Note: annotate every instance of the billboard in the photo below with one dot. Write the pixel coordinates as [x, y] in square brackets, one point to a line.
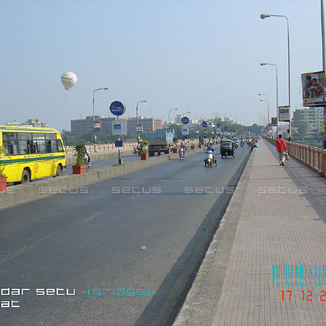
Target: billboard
[314, 88]
[284, 114]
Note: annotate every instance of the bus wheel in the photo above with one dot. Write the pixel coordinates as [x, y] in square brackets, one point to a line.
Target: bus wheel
[59, 171]
[26, 177]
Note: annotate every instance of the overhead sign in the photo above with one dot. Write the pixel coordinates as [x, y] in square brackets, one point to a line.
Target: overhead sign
[314, 88]
[284, 114]
[204, 124]
[118, 127]
[185, 120]
[185, 130]
[139, 128]
[117, 108]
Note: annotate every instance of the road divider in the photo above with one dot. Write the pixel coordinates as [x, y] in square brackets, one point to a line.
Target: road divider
[40, 189]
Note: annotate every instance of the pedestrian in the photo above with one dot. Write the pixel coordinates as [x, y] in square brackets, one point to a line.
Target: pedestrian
[281, 148]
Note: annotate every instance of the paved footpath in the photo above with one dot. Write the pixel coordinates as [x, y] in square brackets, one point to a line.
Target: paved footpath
[277, 215]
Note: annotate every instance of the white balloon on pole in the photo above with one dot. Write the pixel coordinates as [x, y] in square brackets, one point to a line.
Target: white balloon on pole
[68, 79]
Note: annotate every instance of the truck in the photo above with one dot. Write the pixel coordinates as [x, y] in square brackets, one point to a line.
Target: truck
[160, 140]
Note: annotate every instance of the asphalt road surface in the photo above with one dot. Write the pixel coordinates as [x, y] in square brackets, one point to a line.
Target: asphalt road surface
[121, 252]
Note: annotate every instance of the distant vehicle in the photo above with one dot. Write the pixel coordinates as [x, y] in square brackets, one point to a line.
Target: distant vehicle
[31, 153]
[226, 148]
[160, 140]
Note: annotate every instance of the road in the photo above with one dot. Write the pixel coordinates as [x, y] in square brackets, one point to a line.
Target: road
[146, 230]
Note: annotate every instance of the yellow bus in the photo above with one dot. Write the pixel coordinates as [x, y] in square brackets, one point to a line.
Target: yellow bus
[31, 153]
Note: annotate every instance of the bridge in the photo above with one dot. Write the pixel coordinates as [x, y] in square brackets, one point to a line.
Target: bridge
[174, 243]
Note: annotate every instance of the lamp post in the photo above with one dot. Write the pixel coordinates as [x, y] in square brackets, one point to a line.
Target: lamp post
[276, 74]
[263, 16]
[170, 112]
[137, 107]
[267, 100]
[94, 91]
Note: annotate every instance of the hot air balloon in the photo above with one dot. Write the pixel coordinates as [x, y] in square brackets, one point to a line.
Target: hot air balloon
[68, 79]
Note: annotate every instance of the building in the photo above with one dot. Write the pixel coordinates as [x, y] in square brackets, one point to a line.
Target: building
[313, 117]
[149, 124]
[30, 123]
[82, 126]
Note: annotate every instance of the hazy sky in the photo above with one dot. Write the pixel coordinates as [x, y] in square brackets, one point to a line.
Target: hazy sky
[198, 55]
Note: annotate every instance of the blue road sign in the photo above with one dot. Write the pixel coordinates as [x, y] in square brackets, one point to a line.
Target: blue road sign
[185, 120]
[218, 125]
[118, 143]
[204, 124]
[117, 108]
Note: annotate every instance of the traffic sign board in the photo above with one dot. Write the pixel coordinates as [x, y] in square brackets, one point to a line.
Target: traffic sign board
[185, 120]
[204, 124]
[117, 108]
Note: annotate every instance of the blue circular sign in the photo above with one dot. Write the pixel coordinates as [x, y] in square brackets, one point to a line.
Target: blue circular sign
[185, 120]
[117, 108]
[204, 124]
[218, 125]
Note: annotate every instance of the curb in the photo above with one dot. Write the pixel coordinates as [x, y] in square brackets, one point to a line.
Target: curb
[24, 193]
[200, 304]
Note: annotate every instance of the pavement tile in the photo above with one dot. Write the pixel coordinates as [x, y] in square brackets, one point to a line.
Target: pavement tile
[283, 221]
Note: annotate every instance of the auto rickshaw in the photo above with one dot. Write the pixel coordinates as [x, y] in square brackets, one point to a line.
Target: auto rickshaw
[226, 148]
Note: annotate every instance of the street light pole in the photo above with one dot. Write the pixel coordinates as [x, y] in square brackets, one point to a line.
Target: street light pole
[170, 112]
[267, 100]
[263, 16]
[95, 90]
[276, 74]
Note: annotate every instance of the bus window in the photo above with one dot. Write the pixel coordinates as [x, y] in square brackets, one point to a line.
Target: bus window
[23, 139]
[39, 143]
[10, 142]
[51, 143]
[59, 146]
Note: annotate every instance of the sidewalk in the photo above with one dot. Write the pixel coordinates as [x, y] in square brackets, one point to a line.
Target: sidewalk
[277, 215]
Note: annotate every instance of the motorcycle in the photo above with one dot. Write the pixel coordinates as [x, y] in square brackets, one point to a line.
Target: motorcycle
[210, 160]
[181, 153]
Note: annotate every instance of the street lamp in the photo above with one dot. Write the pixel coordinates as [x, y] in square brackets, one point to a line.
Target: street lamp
[170, 112]
[273, 64]
[263, 16]
[267, 100]
[94, 91]
[137, 107]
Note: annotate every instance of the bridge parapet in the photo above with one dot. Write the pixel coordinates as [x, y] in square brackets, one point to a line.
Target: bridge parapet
[313, 157]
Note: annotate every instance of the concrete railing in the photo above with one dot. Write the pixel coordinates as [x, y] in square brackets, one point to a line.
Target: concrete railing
[101, 148]
[314, 157]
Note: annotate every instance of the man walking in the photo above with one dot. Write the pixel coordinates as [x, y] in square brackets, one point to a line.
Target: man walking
[281, 148]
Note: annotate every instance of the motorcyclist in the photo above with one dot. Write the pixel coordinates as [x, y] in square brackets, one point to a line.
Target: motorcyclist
[139, 148]
[87, 159]
[182, 150]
